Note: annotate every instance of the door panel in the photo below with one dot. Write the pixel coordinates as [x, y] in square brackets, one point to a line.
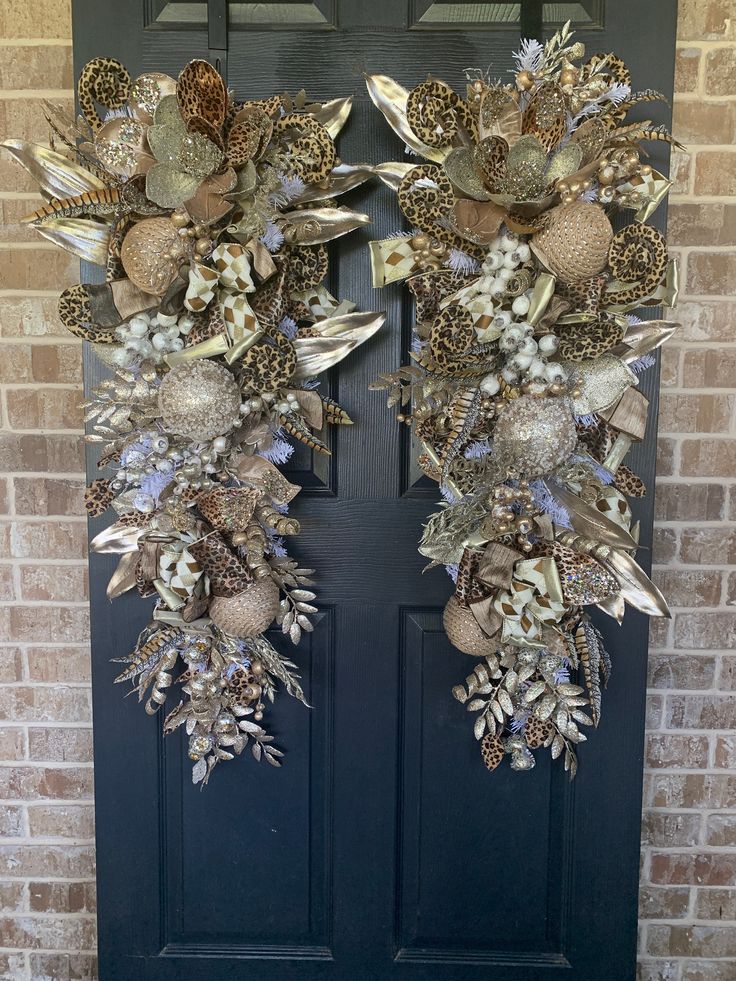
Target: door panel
[382, 849]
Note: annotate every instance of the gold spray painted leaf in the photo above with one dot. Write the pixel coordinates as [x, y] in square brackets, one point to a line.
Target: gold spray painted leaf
[342, 179]
[312, 226]
[339, 336]
[391, 98]
[57, 176]
[87, 239]
[636, 587]
[334, 114]
[588, 521]
[393, 172]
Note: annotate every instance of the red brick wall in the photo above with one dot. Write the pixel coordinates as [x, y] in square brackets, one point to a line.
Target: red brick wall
[688, 895]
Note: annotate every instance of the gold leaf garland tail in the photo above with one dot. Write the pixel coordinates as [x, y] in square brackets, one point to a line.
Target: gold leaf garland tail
[525, 362]
[209, 217]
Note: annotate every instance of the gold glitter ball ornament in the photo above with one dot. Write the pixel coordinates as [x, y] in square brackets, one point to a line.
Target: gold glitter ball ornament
[575, 241]
[249, 613]
[533, 435]
[152, 252]
[464, 632]
[199, 400]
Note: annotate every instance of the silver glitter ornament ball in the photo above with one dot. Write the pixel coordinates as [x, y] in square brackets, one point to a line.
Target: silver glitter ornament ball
[534, 435]
[199, 400]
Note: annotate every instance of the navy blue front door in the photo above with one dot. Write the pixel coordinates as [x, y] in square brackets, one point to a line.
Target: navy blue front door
[382, 849]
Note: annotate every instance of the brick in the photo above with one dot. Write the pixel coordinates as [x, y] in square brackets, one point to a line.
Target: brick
[49, 496]
[681, 670]
[692, 790]
[664, 545]
[700, 712]
[59, 745]
[42, 19]
[57, 362]
[690, 413]
[705, 631]
[700, 223]
[48, 931]
[703, 546]
[675, 750]
[61, 821]
[715, 904]
[706, 368]
[11, 821]
[687, 67]
[64, 967]
[12, 896]
[715, 174]
[663, 830]
[727, 672]
[35, 782]
[698, 122]
[707, 970]
[704, 320]
[655, 708]
[12, 744]
[7, 586]
[689, 587]
[61, 897]
[64, 664]
[663, 903]
[657, 970]
[48, 539]
[669, 366]
[37, 268]
[53, 704]
[708, 457]
[665, 457]
[705, 20]
[46, 408]
[53, 582]
[720, 830]
[16, 364]
[720, 73]
[42, 454]
[690, 502]
[11, 664]
[44, 624]
[702, 869]
[31, 316]
[681, 165]
[40, 860]
[725, 752]
[694, 941]
[12, 212]
[12, 966]
[39, 66]
[710, 273]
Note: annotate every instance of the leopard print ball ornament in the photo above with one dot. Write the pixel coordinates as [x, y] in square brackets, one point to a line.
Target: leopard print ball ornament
[199, 400]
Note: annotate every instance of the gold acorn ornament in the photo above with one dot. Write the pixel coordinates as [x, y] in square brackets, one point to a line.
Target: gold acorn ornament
[464, 632]
[574, 243]
[249, 613]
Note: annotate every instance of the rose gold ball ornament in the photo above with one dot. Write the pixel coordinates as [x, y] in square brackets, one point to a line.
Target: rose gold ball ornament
[534, 435]
[464, 632]
[574, 243]
[152, 252]
[249, 613]
[199, 400]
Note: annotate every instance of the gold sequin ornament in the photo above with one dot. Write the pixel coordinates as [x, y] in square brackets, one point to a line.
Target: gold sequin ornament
[464, 632]
[199, 400]
[249, 613]
[152, 252]
[533, 435]
[575, 241]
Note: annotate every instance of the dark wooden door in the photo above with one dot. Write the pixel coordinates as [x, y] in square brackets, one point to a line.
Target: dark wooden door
[383, 849]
